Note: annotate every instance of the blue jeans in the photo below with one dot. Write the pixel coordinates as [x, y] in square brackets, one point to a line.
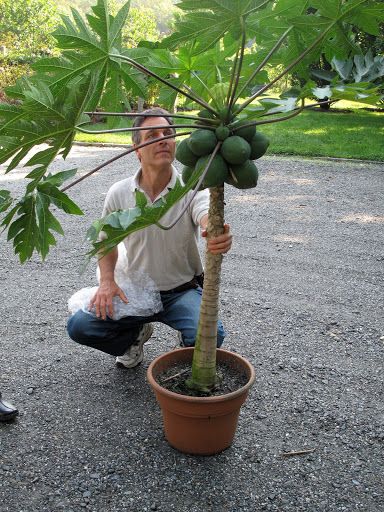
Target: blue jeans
[180, 311]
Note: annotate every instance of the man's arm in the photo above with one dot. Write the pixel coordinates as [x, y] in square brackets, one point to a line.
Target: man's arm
[102, 300]
[219, 244]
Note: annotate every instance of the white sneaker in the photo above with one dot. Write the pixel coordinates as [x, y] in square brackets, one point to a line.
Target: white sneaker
[135, 353]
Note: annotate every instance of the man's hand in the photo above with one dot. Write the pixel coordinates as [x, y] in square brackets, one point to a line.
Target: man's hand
[102, 300]
[219, 244]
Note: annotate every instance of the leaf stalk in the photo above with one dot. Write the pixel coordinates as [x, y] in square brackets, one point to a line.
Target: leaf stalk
[239, 67]
[148, 72]
[264, 61]
[286, 70]
[125, 153]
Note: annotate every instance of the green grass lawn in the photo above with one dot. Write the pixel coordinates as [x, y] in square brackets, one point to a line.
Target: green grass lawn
[353, 134]
[314, 133]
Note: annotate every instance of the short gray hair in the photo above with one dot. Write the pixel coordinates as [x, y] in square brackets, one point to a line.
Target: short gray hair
[139, 120]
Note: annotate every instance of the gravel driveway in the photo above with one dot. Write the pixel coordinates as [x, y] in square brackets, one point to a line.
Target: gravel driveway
[302, 299]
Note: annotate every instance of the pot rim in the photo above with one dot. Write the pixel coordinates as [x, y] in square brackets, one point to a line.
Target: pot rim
[199, 399]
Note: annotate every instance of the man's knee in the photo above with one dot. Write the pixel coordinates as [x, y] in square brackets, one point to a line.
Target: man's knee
[75, 327]
[189, 336]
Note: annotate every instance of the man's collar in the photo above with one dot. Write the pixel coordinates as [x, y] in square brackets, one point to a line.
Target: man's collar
[170, 185]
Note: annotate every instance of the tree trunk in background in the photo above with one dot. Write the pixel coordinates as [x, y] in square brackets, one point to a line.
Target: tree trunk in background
[140, 104]
[204, 358]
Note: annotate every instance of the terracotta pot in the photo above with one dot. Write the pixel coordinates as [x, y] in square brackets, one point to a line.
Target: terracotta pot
[199, 425]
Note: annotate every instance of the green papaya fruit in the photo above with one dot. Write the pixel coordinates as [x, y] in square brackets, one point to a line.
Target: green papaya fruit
[222, 132]
[217, 172]
[185, 155]
[187, 173]
[235, 150]
[243, 176]
[247, 132]
[259, 145]
[206, 114]
[202, 142]
[206, 118]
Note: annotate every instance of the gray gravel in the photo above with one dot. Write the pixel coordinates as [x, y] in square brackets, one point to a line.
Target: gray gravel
[302, 299]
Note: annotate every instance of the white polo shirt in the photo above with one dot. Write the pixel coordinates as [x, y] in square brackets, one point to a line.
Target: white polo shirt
[170, 257]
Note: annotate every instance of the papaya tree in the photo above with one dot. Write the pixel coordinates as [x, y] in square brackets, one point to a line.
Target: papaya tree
[217, 58]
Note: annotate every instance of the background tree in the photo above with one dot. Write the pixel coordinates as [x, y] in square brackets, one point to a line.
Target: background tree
[25, 33]
[26, 27]
[140, 26]
[163, 11]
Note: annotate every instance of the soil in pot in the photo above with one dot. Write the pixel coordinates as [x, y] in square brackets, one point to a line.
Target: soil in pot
[174, 379]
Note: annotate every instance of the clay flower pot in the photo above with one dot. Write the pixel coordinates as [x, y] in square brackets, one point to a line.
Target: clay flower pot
[199, 425]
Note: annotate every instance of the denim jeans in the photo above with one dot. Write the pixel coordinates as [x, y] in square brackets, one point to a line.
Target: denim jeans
[180, 311]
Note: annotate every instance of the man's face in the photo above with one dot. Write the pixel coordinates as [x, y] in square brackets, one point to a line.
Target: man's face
[160, 153]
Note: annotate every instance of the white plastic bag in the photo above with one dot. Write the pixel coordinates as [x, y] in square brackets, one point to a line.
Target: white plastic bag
[140, 290]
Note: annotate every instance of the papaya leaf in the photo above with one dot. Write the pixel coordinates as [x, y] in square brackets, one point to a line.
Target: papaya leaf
[141, 200]
[60, 199]
[59, 178]
[5, 200]
[251, 112]
[275, 105]
[36, 176]
[323, 74]
[8, 114]
[361, 92]
[6, 221]
[322, 92]
[46, 223]
[30, 222]
[57, 127]
[24, 230]
[207, 22]
[360, 68]
[92, 48]
[368, 18]
[127, 217]
[108, 232]
[328, 8]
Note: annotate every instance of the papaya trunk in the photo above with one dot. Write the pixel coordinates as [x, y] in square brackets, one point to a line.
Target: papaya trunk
[204, 357]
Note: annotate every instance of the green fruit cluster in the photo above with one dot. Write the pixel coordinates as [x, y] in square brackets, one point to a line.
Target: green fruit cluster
[233, 164]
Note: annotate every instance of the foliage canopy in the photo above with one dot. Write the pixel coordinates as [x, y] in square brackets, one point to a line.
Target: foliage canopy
[204, 59]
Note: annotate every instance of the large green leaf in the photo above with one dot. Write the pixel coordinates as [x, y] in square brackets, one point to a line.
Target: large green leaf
[369, 18]
[44, 118]
[118, 225]
[31, 223]
[308, 20]
[5, 200]
[207, 22]
[92, 49]
[24, 230]
[361, 92]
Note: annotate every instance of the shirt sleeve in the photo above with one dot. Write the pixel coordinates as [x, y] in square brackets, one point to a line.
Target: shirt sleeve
[200, 206]
[109, 203]
[119, 197]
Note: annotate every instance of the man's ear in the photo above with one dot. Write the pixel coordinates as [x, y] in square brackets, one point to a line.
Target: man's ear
[137, 151]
